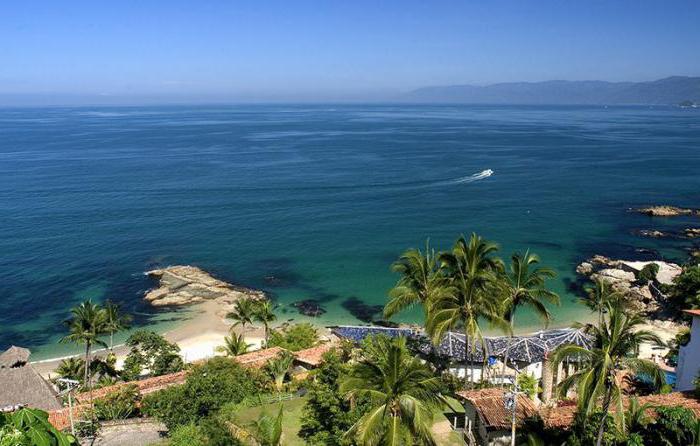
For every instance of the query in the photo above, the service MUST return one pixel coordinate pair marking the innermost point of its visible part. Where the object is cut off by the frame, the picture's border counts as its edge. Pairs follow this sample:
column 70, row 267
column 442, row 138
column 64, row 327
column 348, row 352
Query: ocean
column 316, row 201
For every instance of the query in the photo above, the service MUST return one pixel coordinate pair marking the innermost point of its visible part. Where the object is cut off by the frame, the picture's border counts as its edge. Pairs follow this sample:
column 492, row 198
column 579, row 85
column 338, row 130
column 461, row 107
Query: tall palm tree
column 243, row 312
column 524, row 286
column 234, row 345
column 115, row 321
column 421, row 281
column 598, row 296
column 86, row 327
column 616, row 342
column 265, row 431
column 402, row 392
column 265, row 314
column 472, row 271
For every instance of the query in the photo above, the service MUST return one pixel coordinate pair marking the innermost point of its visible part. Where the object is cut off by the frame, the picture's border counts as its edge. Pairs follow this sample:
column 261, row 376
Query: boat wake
column 471, row 178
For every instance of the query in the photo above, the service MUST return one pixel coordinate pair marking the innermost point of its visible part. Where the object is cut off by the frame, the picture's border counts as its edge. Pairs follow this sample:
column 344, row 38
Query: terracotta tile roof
column 490, row 406
column 693, row 312
column 563, row 416
column 313, row 356
column 258, row 358
column 145, row 386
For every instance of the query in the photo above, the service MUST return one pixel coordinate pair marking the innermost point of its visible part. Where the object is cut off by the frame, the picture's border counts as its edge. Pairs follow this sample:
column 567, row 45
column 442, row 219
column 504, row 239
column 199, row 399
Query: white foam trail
column 475, row 177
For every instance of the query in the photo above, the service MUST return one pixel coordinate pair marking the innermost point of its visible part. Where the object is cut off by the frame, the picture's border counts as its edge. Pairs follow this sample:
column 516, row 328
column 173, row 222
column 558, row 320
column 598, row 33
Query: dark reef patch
column 361, row 310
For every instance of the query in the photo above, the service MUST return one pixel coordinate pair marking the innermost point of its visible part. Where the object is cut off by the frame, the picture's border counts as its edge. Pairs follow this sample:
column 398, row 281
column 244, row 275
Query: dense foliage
column 294, row 337
column 118, row 405
column 150, row 352
column 327, row 414
column 208, row 387
column 685, row 293
column 648, row 273
column 31, row 427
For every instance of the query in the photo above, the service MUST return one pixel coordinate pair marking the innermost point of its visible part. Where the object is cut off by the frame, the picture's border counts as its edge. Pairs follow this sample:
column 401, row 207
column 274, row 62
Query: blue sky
column 334, row 49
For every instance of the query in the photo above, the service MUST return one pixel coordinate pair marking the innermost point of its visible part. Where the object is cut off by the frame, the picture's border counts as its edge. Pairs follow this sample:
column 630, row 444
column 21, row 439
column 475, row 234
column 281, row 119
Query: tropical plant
column 115, row 321
column 234, row 345
column 188, row 435
column 685, row 292
column 402, row 393
column 472, row 272
column 243, row 312
column 523, row 285
column 616, row 342
column 637, row 416
column 278, row 368
column 598, row 297
column 150, row 351
column 648, row 273
column 72, row 368
column 672, row 426
column 265, row 431
column 327, row 415
column 118, row 405
column 294, row 337
column 528, row 384
column 85, row 327
column 422, row 281
column 265, row 314
column 31, row 427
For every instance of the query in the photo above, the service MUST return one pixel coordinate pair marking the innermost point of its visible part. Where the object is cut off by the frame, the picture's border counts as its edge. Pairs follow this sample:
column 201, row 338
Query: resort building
column 21, row 385
column 688, row 368
column 488, row 421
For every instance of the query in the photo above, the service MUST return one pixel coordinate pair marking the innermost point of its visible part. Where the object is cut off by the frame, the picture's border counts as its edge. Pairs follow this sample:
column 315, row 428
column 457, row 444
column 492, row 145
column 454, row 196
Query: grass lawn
column 292, row 420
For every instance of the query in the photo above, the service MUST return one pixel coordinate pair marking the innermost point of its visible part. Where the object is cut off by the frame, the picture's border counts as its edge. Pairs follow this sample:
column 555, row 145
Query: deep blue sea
column 315, row 202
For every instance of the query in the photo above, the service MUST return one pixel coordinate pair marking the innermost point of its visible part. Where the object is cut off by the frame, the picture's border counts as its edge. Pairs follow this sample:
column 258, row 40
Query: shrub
column 208, row 387
column 188, row 435
column 294, row 337
column 673, row 425
column 528, row 384
column 150, row 351
column 118, row 405
column 648, row 273
column 685, row 292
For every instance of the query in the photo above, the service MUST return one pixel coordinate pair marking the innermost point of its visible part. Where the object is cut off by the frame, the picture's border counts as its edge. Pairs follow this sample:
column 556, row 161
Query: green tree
column 637, row 416
column 472, row 272
column 243, row 312
column 85, row 327
column 265, row 314
column 327, row 415
column 294, row 337
column 265, row 431
column 151, row 351
column 278, row 368
column 31, row 427
column 422, row 281
column 234, row 345
column 115, row 321
column 524, row 286
column 616, row 342
column 119, row 404
column 685, row 292
column 598, row 297
column 402, row 393
column 71, row 368
column 672, row 426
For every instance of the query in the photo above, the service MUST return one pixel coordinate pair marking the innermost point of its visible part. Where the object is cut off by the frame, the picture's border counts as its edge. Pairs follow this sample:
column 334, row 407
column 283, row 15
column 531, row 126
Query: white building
column 689, row 356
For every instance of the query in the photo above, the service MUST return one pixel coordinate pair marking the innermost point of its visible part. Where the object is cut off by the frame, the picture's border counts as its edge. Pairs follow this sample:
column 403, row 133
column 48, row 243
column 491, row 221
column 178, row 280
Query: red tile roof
column 563, row 416
column 693, row 312
column 258, row 358
column 489, row 404
column 313, row 356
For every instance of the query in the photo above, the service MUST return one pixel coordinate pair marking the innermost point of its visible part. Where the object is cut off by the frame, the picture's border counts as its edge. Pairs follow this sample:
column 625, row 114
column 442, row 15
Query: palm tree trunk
column 87, row 364
column 111, row 340
column 467, row 360
column 606, row 407
column 505, row 357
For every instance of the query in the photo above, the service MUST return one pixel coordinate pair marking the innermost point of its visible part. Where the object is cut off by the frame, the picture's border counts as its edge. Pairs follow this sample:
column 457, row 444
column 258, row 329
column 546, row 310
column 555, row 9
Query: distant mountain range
column 668, row 91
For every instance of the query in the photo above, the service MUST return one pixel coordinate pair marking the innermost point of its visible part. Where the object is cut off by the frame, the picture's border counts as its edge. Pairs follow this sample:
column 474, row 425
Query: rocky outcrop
column 622, row 276
column 667, row 211
column 653, row 233
column 185, row 285
column 692, row 232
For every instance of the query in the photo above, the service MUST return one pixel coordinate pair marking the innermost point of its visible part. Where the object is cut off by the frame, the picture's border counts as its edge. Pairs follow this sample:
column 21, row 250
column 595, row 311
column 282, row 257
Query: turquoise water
column 315, row 202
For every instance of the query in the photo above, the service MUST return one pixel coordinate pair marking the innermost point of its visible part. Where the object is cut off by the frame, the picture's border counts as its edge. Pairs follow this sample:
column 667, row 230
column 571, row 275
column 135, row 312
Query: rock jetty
column 667, row 211
column 185, row 285
column 622, row 276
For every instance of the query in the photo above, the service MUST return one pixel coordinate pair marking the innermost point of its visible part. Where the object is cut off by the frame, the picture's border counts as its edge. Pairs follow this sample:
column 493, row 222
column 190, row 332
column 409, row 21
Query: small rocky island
column 185, row 285
column 667, row 211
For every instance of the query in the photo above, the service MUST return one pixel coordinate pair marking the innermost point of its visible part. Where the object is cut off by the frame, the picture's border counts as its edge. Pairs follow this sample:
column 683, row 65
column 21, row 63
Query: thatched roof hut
column 22, row 385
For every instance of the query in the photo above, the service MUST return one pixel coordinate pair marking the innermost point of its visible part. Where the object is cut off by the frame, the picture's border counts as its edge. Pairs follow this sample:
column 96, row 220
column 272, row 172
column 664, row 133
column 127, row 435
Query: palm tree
column 637, row 416
column 71, row 368
column 265, row 431
column 472, row 271
column 115, row 321
column 243, row 312
column 524, row 285
column 234, row 345
column 279, row 367
column 264, row 313
column 421, row 281
column 616, row 342
column 402, row 392
column 85, row 327
column 598, row 296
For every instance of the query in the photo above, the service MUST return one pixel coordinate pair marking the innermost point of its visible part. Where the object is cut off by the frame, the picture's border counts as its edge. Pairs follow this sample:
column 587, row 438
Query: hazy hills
column 670, row 90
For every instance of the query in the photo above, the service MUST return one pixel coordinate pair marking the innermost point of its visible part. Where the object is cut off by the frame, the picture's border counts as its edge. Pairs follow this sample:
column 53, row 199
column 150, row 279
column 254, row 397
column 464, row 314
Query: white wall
column 689, row 359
